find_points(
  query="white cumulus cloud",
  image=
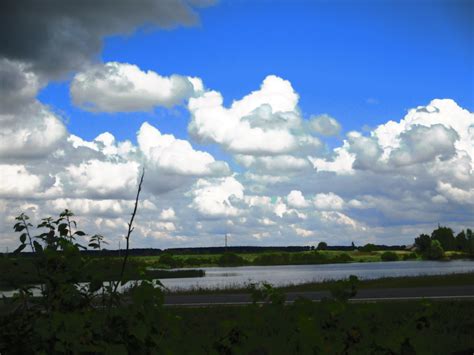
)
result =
(213, 198)
(265, 122)
(123, 87)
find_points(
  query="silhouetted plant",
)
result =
(72, 316)
(345, 289)
(266, 293)
(96, 242)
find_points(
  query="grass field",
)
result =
(205, 260)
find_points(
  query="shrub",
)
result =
(169, 260)
(368, 248)
(411, 256)
(389, 256)
(272, 259)
(194, 261)
(342, 290)
(308, 258)
(435, 251)
(230, 259)
(341, 258)
(70, 316)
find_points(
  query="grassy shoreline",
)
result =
(455, 279)
(282, 258)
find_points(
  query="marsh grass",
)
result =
(456, 279)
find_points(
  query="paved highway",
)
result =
(363, 295)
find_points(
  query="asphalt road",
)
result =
(363, 295)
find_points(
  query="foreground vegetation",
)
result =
(82, 319)
(143, 326)
(330, 327)
(18, 272)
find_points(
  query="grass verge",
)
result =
(457, 279)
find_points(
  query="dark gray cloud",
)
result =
(46, 40)
(57, 36)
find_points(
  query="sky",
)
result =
(276, 122)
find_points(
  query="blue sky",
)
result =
(363, 62)
(340, 121)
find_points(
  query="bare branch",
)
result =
(130, 230)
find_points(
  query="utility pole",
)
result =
(226, 241)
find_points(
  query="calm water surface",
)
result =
(222, 277)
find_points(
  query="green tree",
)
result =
(461, 242)
(368, 247)
(322, 246)
(445, 236)
(470, 242)
(423, 243)
(436, 251)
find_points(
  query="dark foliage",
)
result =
(389, 256)
(435, 251)
(230, 259)
(411, 256)
(322, 246)
(423, 243)
(445, 236)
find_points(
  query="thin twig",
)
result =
(69, 225)
(33, 250)
(129, 232)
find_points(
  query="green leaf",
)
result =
(93, 245)
(62, 229)
(19, 249)
(43, 236)
(23, 238)
(38, 247)
(66, 213)
(95, 285)
(79, 233)
(19, 227)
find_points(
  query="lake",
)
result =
(222, 277)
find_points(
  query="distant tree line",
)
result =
(431, 247)
(236, 249)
